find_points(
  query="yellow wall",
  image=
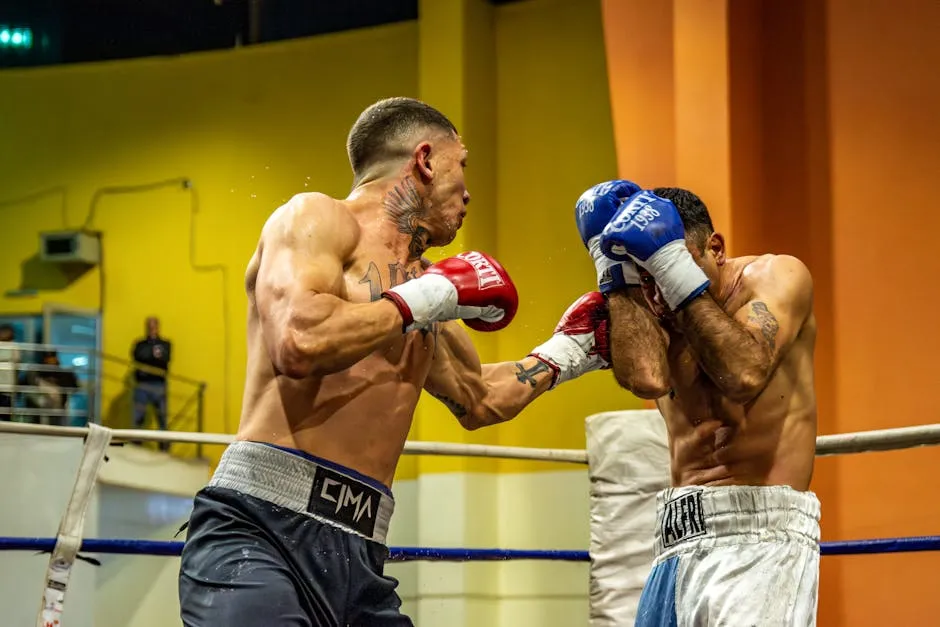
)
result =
(555, 139)
(249, 127)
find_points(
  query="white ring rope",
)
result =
(451, 449)
(838, 444)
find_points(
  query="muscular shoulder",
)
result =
(776, 269)
(313, 220)
(783, 278)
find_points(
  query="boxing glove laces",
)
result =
(594, 209)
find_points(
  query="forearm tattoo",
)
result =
(527, 375)
(455, 408)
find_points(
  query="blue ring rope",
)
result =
(408, 554)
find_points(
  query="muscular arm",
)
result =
(741, 352)
(637, 346)
(307, 328)
(482, 395)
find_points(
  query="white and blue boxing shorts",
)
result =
(735, 556)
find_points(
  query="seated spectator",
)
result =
(56, 384)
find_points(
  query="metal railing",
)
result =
(90, 386)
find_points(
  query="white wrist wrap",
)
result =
(569, 354)
(602, 263)
(430, 297)
(678, 276)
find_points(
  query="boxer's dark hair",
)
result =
(372, 138)
(692, 210)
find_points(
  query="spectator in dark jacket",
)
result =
(150, 386)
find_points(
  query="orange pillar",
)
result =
(638, 36)
(729, 99)
(884, 94)
(703, 140)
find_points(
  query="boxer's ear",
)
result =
(716, 246)
(422, 157)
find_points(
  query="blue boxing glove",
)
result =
(649, 230)
(594, 209)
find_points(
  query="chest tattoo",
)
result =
(397, 274)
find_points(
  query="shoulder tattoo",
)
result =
(762, 317)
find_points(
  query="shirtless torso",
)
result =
(768, 440)
(358, 417)
(725, 348)
(356, 410)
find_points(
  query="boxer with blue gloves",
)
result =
(642, 364)
(648, 229)
(737, 533)
(594, 210)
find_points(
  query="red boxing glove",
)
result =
(581, 342)
(471, 286)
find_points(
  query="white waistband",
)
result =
(693, 516)
(322, 491)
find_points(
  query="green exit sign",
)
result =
(21, 38)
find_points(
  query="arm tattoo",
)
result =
(403, 205)
(527, 375)
(455, 408)
(726, 348)
(768, 324)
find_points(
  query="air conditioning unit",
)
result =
(70, 247)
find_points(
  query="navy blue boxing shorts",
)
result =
(280, 538)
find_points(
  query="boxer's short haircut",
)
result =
(693, 212)
(376, 135)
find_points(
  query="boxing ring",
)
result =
(627, 462)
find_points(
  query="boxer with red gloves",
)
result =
(737, 533)
(347, 323)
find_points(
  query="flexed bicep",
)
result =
(308, 326)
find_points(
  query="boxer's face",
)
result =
(446, 189)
